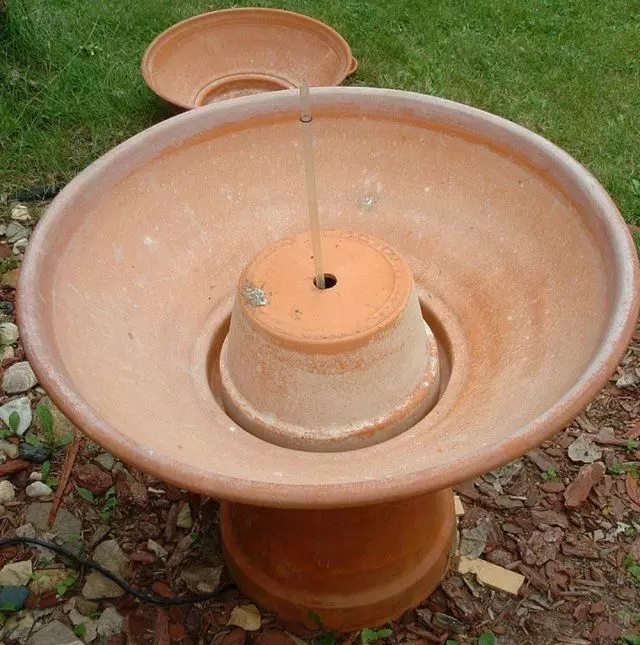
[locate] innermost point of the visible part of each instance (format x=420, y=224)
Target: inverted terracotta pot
x=235, y=52
x=352, y=568
x=328, y=369
x=524, y=271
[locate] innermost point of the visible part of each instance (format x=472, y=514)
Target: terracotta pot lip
x=351, y=64
x=229, y=79
x=550, y=159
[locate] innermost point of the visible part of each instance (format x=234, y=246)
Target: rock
x=54, y=633
x=37, y=454
x=105, y=461
x=628, y=379
x=23, y=629
x=245, y=616
x=45, y=580
x=26, y=530
x=578, y=490
x=18, y=378
x=16, y=574
x=473, y=541
x=20, y=213
x=20, y=247
x=12, y=598
x=584, y=450
x=9, y=333
x=90, y=630
x=201, y=579
x=10, y=278
x=90, y=626
x=109, y=623
x=109, y=555
x=66, y=527
x=38, y=489
x=61, y=425
x=9, y=449
x=22, y=407
x=86, y=607
x=7, y=492
x=184, y=520
x=7, y=354
x=93, y=478
x=504, y=475
x=35, y=476
x=15, y=232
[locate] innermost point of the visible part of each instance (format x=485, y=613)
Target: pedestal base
x=353, y=567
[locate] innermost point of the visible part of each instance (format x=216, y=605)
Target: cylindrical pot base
x=340, y=569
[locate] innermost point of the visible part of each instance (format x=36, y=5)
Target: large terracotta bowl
x=524, y=269
x=234, y=52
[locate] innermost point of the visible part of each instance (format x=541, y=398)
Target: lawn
x=568, y=69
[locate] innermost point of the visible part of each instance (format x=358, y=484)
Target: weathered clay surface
x=328, y=369
x=234, y=52
x=350, y=567
x=526, y=273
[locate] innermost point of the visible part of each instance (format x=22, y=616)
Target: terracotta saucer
x=524, y=269
x=235, y=52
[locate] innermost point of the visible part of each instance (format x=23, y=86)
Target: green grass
x=70, y=86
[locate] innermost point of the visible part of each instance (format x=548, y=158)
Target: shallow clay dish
x=525, y=273
x=234, y=52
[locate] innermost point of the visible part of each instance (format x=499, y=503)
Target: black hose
x=90, y=564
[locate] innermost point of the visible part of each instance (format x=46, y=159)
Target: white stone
x=109, y=623
x=22, y=407
x=8, y=333
x=15, y=231
x=18, y=378
x=3, y=229
x=26, y=530
x=35, y=476
x=584, y=450
x=8, y=354
x=20, y=213
x=23, y=629
x=111, y=556
x=38, y=489
x=54, y=633
x=20, y=246
x=11, y=450
x=16, y=574
x=7, y=492
x=628, y=379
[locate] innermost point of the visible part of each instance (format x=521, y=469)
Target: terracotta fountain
x=235, y=52
x=168, y=306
